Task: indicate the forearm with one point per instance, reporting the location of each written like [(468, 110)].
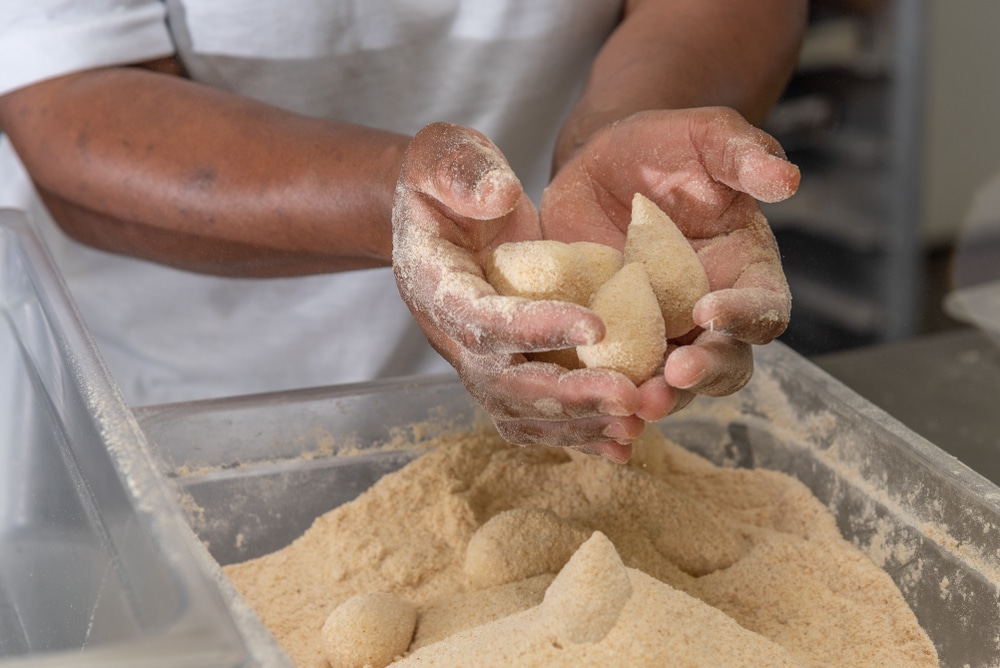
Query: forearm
[(165, 169), (672, 54)]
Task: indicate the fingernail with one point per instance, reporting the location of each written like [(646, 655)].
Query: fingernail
[(584, 334), (617, 432), (614, 407), (619, 453), (685, 365), (499, 179)]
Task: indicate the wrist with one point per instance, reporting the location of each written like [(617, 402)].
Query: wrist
[(389, 165)]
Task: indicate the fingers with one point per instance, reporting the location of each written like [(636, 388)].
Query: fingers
[(494, 324), (592, 411), (750, 315), (584, 434), (547, 392), (714, 365), (657, 399), (619, 453), (750, 300)]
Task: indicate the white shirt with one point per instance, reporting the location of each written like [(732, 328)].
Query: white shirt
[(510, 68)]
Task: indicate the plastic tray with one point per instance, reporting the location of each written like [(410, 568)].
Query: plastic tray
[(255, 471)]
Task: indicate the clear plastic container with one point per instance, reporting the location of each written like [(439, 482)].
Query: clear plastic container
[(113, 524), (254, 472), (97, 564)]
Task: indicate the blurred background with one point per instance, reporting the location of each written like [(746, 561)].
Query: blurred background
[(892, 118)]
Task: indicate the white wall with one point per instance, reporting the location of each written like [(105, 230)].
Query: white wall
[(961, 147)]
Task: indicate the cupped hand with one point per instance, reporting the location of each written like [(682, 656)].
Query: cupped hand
[(456, 200), (706, 168)]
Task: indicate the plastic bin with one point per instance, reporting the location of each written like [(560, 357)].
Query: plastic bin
[(254, 472), (97, 564), (113, 524)]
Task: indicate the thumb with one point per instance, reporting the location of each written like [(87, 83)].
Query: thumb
[(746, 158), (463, 170), (764, 176)]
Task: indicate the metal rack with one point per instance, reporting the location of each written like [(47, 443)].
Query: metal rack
[(851, 119)]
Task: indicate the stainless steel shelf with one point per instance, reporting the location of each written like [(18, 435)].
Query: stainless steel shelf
[(850, 118)]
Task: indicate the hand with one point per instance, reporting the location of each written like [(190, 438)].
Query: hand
[(705, 168), (457, 199)]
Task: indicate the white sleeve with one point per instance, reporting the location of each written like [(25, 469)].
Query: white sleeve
[(41, 39)]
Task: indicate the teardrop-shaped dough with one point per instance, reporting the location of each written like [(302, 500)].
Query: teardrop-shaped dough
[(675, 272), (584, 602), (634, 343)]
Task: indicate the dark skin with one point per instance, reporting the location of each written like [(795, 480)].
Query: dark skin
[(141, 161), (663, 53), (144, 163)]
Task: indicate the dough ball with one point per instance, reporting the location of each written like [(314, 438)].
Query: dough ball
[(634, 343), (675, 272), (518, 544), (552, 270), (603, 262), (368, 630), (540, 270)]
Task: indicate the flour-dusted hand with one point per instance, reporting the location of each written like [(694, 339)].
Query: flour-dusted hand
[(706, 168), (456, 201)]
